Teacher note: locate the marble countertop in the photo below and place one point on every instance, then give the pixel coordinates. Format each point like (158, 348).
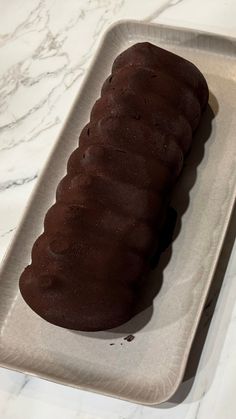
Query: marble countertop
(45, 49)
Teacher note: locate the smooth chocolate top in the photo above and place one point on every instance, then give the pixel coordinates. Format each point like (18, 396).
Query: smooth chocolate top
(111, 205)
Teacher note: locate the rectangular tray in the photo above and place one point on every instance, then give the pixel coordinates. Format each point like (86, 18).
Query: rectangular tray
(148, 369)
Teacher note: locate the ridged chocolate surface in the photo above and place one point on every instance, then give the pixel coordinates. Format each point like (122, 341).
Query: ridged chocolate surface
(110, 207)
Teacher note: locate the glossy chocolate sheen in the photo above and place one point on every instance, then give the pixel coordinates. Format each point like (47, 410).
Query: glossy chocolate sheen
(111, 205)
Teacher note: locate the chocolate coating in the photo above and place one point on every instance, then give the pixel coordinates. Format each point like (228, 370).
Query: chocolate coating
(111, 205)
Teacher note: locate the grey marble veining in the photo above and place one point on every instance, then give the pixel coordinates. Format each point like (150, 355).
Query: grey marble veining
(45, 49)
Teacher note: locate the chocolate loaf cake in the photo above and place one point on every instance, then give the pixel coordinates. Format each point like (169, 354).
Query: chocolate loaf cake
(111, 205)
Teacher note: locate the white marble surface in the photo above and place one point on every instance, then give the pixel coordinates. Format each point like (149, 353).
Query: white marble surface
(45, 49)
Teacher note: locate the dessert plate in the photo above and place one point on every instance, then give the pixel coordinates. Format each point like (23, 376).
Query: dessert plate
(149, 367)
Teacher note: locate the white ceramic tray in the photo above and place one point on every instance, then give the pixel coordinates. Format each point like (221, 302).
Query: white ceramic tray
(148, 369)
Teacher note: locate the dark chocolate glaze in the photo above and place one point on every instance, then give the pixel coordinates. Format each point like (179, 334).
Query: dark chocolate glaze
(111, 205)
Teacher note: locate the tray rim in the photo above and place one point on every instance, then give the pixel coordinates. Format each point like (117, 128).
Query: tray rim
(113, 27)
